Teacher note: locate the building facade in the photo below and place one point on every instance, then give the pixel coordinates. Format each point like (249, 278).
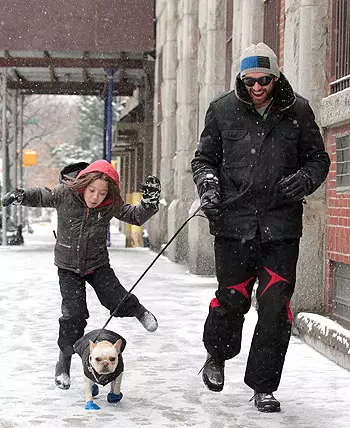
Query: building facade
(198, 46)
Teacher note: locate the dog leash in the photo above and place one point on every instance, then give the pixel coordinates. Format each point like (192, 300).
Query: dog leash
(147, 269)
(225, 205)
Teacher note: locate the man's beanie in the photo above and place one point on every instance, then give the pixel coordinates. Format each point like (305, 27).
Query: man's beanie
(259, 58)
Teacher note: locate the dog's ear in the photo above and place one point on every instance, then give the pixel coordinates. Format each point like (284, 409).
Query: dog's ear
(118, 345)
(92, 345)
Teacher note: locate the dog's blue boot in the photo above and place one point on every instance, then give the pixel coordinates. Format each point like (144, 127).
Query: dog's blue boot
(95, 390)
(114, 398)
(90, 405)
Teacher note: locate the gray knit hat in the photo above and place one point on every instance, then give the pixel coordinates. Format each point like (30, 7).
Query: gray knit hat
(259, 58)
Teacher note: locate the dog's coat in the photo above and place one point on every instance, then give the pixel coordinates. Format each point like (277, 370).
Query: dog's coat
(82, 348)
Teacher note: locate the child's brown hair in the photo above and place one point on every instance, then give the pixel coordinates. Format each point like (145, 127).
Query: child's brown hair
(85, 180)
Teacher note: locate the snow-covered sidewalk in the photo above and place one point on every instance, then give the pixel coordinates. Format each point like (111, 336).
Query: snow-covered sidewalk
(161, 387)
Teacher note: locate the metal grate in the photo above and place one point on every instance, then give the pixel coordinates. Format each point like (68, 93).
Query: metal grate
(340, 46)
(341, 297)
(343, 163)
(272, 10)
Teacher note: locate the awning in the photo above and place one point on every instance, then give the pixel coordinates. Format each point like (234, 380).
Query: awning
(64, 47)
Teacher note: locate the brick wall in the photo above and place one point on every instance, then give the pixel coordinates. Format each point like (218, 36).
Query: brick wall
(338, 217)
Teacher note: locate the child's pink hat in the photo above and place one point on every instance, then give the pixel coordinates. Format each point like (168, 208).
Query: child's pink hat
(102, 166)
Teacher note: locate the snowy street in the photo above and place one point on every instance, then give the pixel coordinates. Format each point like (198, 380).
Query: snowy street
(161, 385)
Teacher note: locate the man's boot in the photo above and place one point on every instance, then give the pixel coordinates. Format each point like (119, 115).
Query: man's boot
(266, 402)
(213, 374)
(62, 372)
(147, 319)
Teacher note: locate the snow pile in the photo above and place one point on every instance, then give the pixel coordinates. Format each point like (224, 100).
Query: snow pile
(325, 335)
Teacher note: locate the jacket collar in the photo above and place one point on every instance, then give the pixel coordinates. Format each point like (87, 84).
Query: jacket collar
(101, 379)
(283, 94)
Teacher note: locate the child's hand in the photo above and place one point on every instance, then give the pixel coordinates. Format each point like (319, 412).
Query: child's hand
(151, 191)
(15, 197)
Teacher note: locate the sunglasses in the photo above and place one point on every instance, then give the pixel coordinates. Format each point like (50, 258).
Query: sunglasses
(263, 81)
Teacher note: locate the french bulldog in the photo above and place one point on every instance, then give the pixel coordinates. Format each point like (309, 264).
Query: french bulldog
(102, 363)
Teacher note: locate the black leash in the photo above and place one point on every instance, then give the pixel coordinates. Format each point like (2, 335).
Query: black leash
(226, 205)
(148, 268)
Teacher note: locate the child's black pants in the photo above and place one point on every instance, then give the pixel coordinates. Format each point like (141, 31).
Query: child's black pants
(74, 309)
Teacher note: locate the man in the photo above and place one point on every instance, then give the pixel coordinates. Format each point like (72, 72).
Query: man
(259, 155)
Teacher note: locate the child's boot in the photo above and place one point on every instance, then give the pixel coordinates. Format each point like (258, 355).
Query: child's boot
(62, 373)
(147, 319)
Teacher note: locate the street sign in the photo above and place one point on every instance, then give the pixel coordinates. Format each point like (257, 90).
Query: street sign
(29, 157)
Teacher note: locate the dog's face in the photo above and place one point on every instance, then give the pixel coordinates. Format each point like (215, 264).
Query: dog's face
(104, 356)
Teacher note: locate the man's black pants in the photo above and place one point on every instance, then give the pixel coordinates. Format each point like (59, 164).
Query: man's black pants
(238, 266)
(74, 309)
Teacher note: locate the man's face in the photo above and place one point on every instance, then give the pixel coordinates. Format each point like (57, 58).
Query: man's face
(259, 93)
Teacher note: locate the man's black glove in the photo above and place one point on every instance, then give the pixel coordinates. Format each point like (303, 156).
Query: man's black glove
(296, 186)
(151, 191)
(210, 197)
(14, 197)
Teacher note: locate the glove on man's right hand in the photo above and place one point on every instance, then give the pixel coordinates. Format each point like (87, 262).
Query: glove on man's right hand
(210, 197)
(14, 197)
(210, 202)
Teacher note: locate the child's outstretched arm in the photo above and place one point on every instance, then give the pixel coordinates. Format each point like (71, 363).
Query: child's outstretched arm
(31, 197)
(148, 206)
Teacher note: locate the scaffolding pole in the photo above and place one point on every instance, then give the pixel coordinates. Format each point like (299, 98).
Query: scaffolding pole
(20, 155)
(4, 154)
(14, 175)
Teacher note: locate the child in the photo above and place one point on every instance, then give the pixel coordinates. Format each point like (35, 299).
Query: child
(85, 205)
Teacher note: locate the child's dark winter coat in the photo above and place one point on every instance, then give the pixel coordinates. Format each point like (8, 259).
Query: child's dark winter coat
(82, 231)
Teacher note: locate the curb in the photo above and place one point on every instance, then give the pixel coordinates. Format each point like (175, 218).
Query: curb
(325, 336)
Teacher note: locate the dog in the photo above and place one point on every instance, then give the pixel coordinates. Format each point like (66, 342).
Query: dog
(102, 364)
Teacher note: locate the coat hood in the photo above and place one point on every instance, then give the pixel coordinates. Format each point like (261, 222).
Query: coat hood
(283, 94)
(71, 171)
(102, 166)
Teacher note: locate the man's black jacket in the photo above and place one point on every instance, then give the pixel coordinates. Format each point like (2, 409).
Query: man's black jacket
(250, 155)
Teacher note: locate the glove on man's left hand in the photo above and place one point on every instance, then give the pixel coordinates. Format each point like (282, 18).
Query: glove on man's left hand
(296, 186)
(14, 197)
(151, 191)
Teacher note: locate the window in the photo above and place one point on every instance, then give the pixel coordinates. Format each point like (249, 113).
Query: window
(341, 302)
(343, 163)
(272, 10)
(340, 46)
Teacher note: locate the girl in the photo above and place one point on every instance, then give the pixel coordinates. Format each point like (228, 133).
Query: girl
(85, 205)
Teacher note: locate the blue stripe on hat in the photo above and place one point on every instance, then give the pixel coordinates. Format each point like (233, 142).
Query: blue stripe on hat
(255, 62)
(250, 62)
